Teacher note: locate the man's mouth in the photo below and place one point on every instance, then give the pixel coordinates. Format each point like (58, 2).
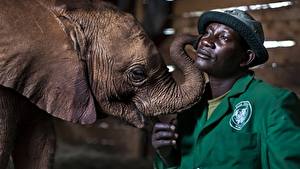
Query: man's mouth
(203, 54)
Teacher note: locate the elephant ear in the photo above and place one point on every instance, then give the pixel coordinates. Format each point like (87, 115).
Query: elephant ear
(38, 60)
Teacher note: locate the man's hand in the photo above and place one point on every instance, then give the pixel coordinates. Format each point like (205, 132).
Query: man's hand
(164, 142)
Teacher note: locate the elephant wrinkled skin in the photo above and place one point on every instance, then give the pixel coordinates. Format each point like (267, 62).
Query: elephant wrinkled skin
(79, 61)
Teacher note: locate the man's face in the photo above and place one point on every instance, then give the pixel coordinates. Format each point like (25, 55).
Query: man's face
(219, 51)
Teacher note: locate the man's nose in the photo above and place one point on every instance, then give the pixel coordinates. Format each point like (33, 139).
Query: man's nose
(207, 42)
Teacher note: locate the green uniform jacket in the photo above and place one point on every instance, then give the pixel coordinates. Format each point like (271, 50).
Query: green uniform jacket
(256, 126)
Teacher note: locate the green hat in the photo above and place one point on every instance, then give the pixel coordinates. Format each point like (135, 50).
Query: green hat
(248, 28)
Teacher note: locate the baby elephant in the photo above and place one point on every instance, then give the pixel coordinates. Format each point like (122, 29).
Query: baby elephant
(79, 62)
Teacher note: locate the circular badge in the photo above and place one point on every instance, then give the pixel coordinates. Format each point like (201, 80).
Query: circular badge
(241, 115)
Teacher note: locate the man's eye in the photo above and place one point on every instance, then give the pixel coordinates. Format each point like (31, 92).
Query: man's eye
(223, 37)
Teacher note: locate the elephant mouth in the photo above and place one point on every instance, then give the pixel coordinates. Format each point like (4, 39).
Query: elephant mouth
(141, 121)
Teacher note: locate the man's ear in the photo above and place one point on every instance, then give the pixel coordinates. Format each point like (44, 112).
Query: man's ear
(248, 59)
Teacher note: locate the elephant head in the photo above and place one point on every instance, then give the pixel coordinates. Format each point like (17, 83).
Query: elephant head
(82, 62)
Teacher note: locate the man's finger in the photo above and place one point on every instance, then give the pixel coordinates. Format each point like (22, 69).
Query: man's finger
(163, 127)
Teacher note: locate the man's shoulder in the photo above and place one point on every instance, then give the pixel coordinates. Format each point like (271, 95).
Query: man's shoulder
(265, 98)
(266, 91)
(266, 88)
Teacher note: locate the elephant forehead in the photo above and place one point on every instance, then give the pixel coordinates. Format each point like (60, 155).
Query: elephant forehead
(126, 26)
(134, 46)
(137, 53)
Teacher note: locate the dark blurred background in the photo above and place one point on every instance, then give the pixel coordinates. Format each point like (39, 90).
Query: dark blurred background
(110, 144)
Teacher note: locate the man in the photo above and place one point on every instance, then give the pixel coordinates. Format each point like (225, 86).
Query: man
(240, 122)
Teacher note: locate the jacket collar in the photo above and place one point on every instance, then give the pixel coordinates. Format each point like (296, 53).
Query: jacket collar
(240, 86)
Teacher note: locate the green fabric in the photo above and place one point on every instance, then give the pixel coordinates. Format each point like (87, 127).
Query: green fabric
(269, 140)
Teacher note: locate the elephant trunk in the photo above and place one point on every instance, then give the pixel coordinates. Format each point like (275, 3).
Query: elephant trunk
(191, 89)
(180, 95)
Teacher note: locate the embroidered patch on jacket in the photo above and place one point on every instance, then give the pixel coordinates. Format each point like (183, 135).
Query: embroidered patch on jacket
(241, 115)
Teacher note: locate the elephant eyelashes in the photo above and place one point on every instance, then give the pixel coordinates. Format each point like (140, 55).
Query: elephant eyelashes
(137, 75)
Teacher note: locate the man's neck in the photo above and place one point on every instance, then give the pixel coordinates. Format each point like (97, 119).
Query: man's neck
(220, 86)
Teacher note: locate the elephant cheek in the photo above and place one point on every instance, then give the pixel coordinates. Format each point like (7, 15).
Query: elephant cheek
(152, 105)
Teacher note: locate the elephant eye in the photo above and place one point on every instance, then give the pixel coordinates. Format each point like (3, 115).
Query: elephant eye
(137, 74)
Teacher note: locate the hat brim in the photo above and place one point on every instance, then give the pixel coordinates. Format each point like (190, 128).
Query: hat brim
(245, 31)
